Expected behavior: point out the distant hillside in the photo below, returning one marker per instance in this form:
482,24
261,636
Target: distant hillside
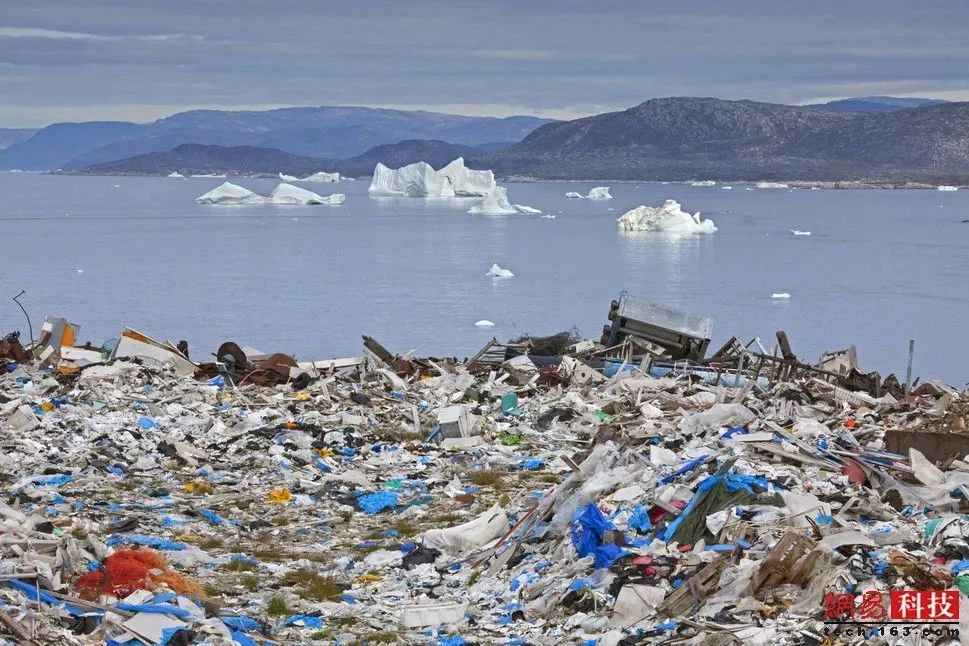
689,138
875,104
436,153
10,136
333,132
197,159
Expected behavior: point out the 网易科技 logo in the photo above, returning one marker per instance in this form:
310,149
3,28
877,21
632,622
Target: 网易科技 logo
909,612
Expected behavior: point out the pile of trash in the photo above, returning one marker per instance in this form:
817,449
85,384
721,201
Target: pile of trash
613,492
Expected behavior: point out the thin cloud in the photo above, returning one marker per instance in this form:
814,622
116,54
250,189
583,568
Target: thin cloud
57,34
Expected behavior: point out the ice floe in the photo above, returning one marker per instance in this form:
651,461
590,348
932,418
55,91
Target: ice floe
175,174
229,193
572,195
780,296
795,232
497,204
421,180
948,188
322,177
484,323
668,218
498,272
288,178
705,182
771,185
599,193
289,194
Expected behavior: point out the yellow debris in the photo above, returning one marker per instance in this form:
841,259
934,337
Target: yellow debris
280,496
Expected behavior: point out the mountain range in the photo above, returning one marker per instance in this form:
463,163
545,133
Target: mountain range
671,139
329,132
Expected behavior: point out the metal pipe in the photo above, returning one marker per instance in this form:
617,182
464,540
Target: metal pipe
29,326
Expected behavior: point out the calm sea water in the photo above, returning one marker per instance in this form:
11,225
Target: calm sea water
880,267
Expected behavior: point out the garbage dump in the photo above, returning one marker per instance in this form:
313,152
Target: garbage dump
553,490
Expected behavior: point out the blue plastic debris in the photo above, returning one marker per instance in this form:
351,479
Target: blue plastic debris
146,423
246,624
51,481
213,517
118,471
588,528
451,640
606,555
155,608
147,541
640,520
373,503
684,468
30,590
509,405
243,639
217,380
310,621
532,464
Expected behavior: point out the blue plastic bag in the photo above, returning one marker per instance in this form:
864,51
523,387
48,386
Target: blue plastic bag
588,528
373,503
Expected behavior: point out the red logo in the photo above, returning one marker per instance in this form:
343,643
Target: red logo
906,606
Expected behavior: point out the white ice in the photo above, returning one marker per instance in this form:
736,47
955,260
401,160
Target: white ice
795,232
498,272
288,178
727,188
705,182
780,295
421,180
599,193
669,218
948,188
229,193
572,195
497,204
322,177
175,174
484,323
289,194
771,185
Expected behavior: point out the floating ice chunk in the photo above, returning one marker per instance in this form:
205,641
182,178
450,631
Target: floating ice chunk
749,188
705,182
780,295
229,193
795,232
497,204
948,188
727,188
669,218
289,194
572,195
498,272
484,323
175,174
210,175
772,185
288,178
466,182
322,177
599,193
527,209
413,180
548,217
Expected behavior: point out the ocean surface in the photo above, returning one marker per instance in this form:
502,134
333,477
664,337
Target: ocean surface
881,267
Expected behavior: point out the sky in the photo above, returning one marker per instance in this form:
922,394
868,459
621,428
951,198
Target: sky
79,60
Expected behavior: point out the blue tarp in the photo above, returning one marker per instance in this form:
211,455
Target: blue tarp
588,529
147,541
640,519
372,503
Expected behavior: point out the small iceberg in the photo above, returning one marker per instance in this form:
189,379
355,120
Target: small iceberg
175,174
705,182
322,177
771,185
945,187
497,204
669,218
288,178
599,193
229,193
484,323
289,194
572,195
795,232
421,180
727,188
211,176
780,295
498,272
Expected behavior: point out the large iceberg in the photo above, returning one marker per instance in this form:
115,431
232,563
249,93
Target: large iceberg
421,180
497,204
229,193
322,177
669,218
289,194
413,180
599,193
